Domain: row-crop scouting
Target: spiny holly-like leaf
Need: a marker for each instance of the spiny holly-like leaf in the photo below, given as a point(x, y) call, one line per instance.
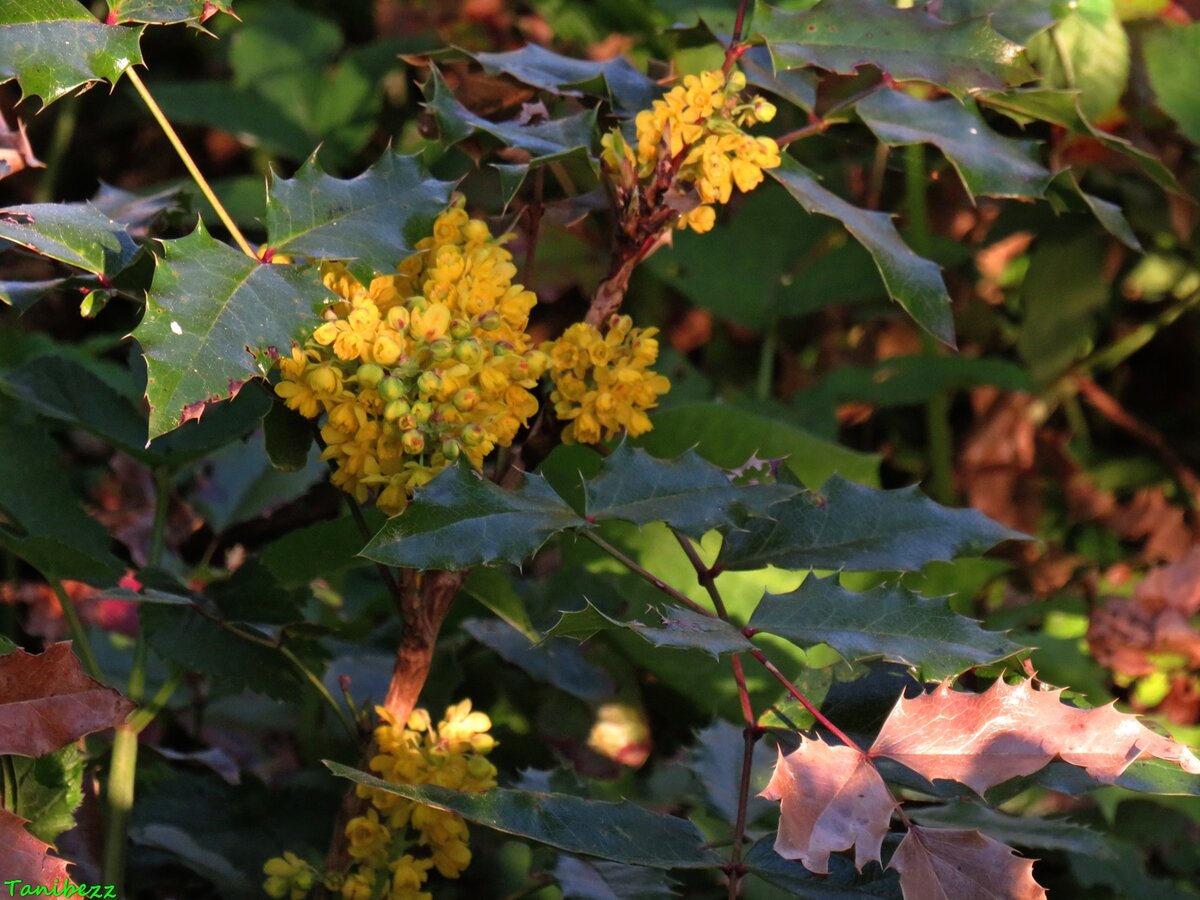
point(987, 162)
point(46, 701)
point(677, 627)
point(553, 137)
point(941, 862)
point(887, 621)
point(981, 740)
point(842, 881)
point(908, 44)
point(49, 790)
point(53, 46)
point(689, 493)
point(460, 519)
point(847, 526)
point(629, 89)
point(1040, 832)
point(77, 234)
point(911, 280)
point(165, 12)
point(25, 857)
point(209, 308)
point(375, 218)
point(798, 86)
point(831, 798)
point(622, 832)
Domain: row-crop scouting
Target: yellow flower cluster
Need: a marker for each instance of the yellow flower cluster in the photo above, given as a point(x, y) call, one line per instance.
point(397, 842)
point(603, 383)
point(698, 125)
point(421, 366)
point(453, 755)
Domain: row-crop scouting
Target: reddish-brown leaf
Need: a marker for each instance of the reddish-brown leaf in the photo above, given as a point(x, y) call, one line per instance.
point(46, 702)
point(25, 857)
point(950, 864)
point(981, 740)
point(15, 152)
point(831, 798)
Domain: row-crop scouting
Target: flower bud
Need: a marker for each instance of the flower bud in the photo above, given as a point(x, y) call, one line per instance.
point(413, 442)
point(451, 449)
point(466, 399)
point(322, 379)
point(480, 768)
point(422, 410)
point(737, 81)
point(469, 351)
point(369, 375)
point(459, 329)
point(473, 435)
point(396, 409)
point(397, 318)
point(490, 321)
point(276, 886)
point(429, 384)
point(482, 743)
point(441, 349)
point(391, 389)
point(303, 880)
point(764, 110)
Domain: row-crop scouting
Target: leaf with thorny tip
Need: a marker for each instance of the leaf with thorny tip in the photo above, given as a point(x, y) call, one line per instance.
point(981, 740)
point(25, 857)
point(209, 307)
point(831, 798)
point(46, 702)
point(951, 863)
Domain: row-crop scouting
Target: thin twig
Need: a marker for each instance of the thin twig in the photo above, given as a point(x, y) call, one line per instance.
point(189, 163)
point(649, 576)
point(804, 701)
point(736, 48)
point(704, 574)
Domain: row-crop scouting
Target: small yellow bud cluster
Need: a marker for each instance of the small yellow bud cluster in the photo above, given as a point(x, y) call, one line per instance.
point(453, 755)
point(698, 124)
point(419, 367)
point(288, 876)
point(603, 383)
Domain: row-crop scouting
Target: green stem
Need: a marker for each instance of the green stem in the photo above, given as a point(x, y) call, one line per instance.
point(60, 141)
point(633, 566)
point(939, 437)
point(766, 361)
point(149, 711)
point(316, 682)
point(83, 644)
point(8, 775)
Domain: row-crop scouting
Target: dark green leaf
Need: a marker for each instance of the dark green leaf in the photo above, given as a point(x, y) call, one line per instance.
point(77, 234)
point(1173, 63)
point(597, 879)
point(888, 621)
point(49, 790)
point(550, 138)
point(987, 162)
point(210, 308)
point(1067, 193)
point(163, 12)
point(287, 436)
point(677, 627)
point(716, 759)
point(319, 550)
point(560, 665)
point(913, 282)
point(909, 380)
point(859, 529)
point(1018, 20)
point(221, 423)
point(728, 435)
point(1037, 832)
point(908, 44)
point(53, 46)
point(629, 89)
point(622, 832)
point(460, 519)
point(495, 590)
point(689, 494)
point(23, 294)
point(376, 218)
point(842, 881)
point(240, 484)
point(798, 86)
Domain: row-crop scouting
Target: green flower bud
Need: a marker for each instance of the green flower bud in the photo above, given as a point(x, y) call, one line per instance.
point(396, 409)
point(736, 81)
point(490, 321)
point(369, 375)
point(459, 329)
point(441, 349)
point(391, 389)
point(422, 411)
point(469, 351)
point(276, 886)
point(451, 449)
point(429, 384)
point(764, 110)
point(413, 442)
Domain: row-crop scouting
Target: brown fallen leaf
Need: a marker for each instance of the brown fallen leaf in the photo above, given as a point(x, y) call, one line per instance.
point(953, 864)
point(981, 740)
point(15, 152)
point(1175, 586)
point(831, 798)
point(46, 702)
point(25, 857)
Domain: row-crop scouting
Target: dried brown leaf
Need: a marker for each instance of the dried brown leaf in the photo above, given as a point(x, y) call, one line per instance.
point(981, 740)
point(15, 152)
point(831, 798)
point(46, 702)
point(1175, 586)
point(953, 864)
point(25, 857)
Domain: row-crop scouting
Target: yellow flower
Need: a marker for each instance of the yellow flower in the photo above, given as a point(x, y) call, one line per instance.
point(368, 837)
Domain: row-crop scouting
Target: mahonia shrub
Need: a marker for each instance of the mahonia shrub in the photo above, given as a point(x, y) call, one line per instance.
point(419, 367)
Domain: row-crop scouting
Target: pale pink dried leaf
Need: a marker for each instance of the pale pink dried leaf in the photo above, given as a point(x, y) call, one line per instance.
point(25, 857)
point(46, 702)
point(15, 152)
point(981, 740)
point(1176, 585)
point(953, 864)
point(831, 798)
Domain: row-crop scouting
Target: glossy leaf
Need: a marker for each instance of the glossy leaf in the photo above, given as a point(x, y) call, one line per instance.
point(164, 12)
point(1018, 20)
point(549, 138)
point(677, 627)
point(912, 281)
point(908, 44)
point(77, 234)
point(860, 529)
point(1088, 52)
point(1035, 832)
point(53, 46)
point(49, 791)
point(210, 309)
point(460, 519)
point(562, 665)
point(798, 86)
point(1173, 63)
point(888, 621)
point(988, 163)
point(842, 881)
point(622, 832)
point(376, 218)
point(689, 494)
